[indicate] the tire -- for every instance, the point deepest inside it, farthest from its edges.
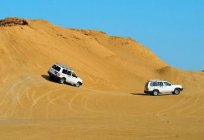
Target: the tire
(177, 91)
(61, 80)
(155, 93)
(78, 84)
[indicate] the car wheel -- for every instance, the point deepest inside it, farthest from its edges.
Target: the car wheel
(78, 84)
(62, 80)
(155, 93)
(177, 91)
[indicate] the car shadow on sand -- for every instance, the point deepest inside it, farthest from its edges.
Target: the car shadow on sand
(144, 94)
(140, 94)
(46, 77)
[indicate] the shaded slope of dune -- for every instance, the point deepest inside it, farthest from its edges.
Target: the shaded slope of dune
(110, 104)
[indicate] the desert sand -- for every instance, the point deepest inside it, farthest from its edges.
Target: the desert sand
(110, 105)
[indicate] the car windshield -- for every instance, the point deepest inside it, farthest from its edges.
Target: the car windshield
(57, 68)
(74, 75)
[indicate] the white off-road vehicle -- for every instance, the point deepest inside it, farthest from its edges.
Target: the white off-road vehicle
(63, 73)
(155, 87)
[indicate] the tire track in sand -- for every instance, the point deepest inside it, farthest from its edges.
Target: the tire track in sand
(15, 91)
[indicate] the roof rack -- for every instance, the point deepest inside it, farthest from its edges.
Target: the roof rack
(153, 80)
(64, 66)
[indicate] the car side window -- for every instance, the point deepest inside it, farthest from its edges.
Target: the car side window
(64, 71)
(69, 73)
(167, 84)
(155, 83)
(160, 84)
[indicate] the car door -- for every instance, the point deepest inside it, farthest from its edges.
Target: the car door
(168, 87)
(69, 78)
(161, 87)
(74, 78)
(64, 73)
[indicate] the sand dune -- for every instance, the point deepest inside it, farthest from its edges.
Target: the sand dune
(110, 104)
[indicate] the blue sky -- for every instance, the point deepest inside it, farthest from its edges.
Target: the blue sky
(172, 29)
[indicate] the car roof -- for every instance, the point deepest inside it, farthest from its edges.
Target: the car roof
(63, 66)
(157, 80)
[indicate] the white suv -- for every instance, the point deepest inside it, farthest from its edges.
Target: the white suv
(64, 74)
(154, 87)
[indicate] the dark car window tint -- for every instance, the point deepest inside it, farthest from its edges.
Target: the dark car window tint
(57, 68)
(155, 84)
(160, 83)
(64, 71)
(69, 73)
(167, 84)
